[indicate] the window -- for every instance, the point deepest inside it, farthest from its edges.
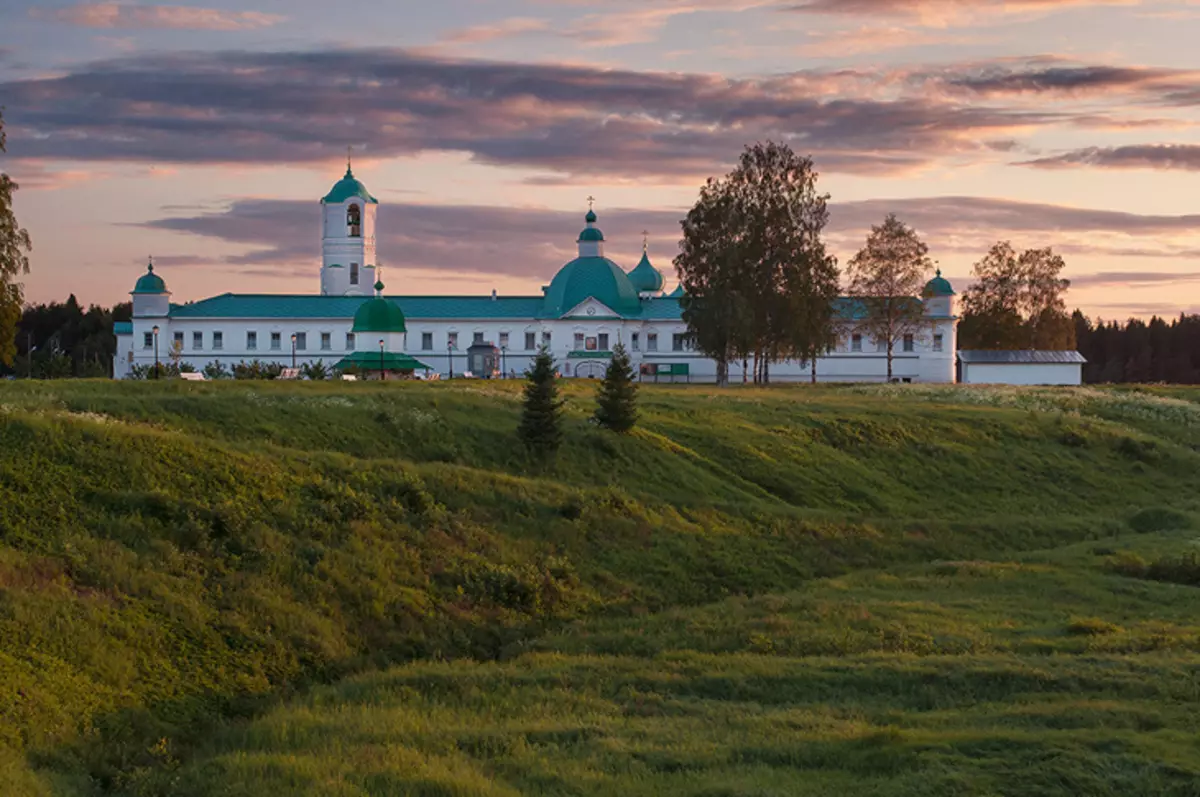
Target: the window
(652, 341)
(909, 344)
(326, 341)
(452, 340)
(148, 340)
(679, 342)
(478, 338)
(197, 340)
(177, 341)
(251, 341)
(426, 341)
(276, 341)
(579, 341)
(218, 341)
(603, 341)
(354, 273)
(504, 340)
(937, 342)
(349, 341)
(856, 343)
(354, 221)
(301, 341)
(546, 339)
(635, 341)
(530, 341)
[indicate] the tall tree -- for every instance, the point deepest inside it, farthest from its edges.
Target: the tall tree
(616, 400)
(541, 414)
(755, 273)
(14, 244)
(1017, 302)
(886, 278)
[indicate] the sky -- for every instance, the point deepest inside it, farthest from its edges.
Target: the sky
(205, 134)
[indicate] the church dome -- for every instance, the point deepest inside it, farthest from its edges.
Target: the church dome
(591, 232)
(938, 286)
(150, 282)
(347, 188)
(677, 293)
(591, 277)
(645, 277)
(379, 315)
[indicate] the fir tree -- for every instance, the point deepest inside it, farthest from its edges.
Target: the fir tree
(541, 415)
(617, 397)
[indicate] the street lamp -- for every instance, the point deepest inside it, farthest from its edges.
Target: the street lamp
(504, 362)
(450, 354)
(293, 349)
(381, 378)
(155, 330)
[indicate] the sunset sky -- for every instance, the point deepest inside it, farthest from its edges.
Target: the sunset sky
(206, 134)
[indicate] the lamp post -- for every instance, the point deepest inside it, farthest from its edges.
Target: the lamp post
(155, 331)
(381, 377)
(450, 354)
(293, 349)
(504, 362)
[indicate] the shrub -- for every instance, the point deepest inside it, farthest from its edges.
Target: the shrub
(1091, 626)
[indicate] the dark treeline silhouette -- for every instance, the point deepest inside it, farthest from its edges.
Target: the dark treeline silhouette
(1140, 351)
(62, 339)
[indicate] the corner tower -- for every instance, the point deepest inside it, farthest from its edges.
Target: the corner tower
(348, 238)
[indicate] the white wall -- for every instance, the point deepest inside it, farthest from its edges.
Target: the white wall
(1022, 374)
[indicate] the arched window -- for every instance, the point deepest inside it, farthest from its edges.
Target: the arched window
(354, 221)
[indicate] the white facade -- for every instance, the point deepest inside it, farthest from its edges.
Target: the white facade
(1022, 374)
(579, 331)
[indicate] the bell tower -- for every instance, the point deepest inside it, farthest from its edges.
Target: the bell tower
(348, 238)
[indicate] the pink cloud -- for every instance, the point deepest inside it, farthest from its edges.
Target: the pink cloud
(121, 15)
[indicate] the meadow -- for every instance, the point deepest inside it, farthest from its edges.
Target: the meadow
(355, 589)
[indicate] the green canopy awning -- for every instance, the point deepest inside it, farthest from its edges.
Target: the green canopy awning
(389, 361)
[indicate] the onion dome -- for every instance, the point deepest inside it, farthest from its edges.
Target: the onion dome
(347, 188)
(645, 277)
(677, 293)
(591, 232)
(379, 314)
(938, 286)
(150, 282)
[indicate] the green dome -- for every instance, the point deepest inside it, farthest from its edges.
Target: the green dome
(645, 277)
(594, 277)
(591, 234)
(677, 293)
(379, 315)
(938, 286)
(347, 188)
(150, 282)
(590, 218)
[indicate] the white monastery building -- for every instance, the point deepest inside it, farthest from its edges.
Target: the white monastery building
(588, 307)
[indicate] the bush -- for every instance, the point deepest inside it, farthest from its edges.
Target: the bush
(257, 369)
(1159, 518)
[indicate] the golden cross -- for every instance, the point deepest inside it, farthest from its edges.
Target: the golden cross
(591, 201)
(645, 240)
(349, 149)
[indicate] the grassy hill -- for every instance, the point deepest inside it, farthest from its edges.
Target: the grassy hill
(354, 589)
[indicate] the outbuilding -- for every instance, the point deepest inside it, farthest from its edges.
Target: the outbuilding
(1028, 367)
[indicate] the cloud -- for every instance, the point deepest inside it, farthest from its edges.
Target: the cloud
(304, 107)
(1133, 279)
(275, 236)
(944, 13)
(126, 16)
(505, 29)
(1183, 157)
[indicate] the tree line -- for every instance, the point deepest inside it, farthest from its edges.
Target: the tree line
(1139, 351)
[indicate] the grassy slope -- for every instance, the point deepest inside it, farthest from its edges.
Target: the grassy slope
(176, 556)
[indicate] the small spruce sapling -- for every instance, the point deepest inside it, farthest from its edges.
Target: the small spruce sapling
(617, 397)
(541, 415)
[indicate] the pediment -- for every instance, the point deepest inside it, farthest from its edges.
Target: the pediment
(591, 308)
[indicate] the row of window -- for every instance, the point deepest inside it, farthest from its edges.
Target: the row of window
(217, 341)
(452, 340)
(600, 342)
(908, 343)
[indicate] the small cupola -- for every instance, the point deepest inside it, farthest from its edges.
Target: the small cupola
(645, 277)
(151, 299)
(379, 315)
(591, 240)
(938, 286)
(150, 282)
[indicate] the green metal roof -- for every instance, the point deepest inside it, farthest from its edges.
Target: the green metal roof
(379, 315)
(591, 277)
(150, 282)
(347, 188)
(122, 327)
(645, 277)
(591, 234)
(938, 286)
(370, 360)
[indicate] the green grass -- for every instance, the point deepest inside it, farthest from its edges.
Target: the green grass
(246, 588)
